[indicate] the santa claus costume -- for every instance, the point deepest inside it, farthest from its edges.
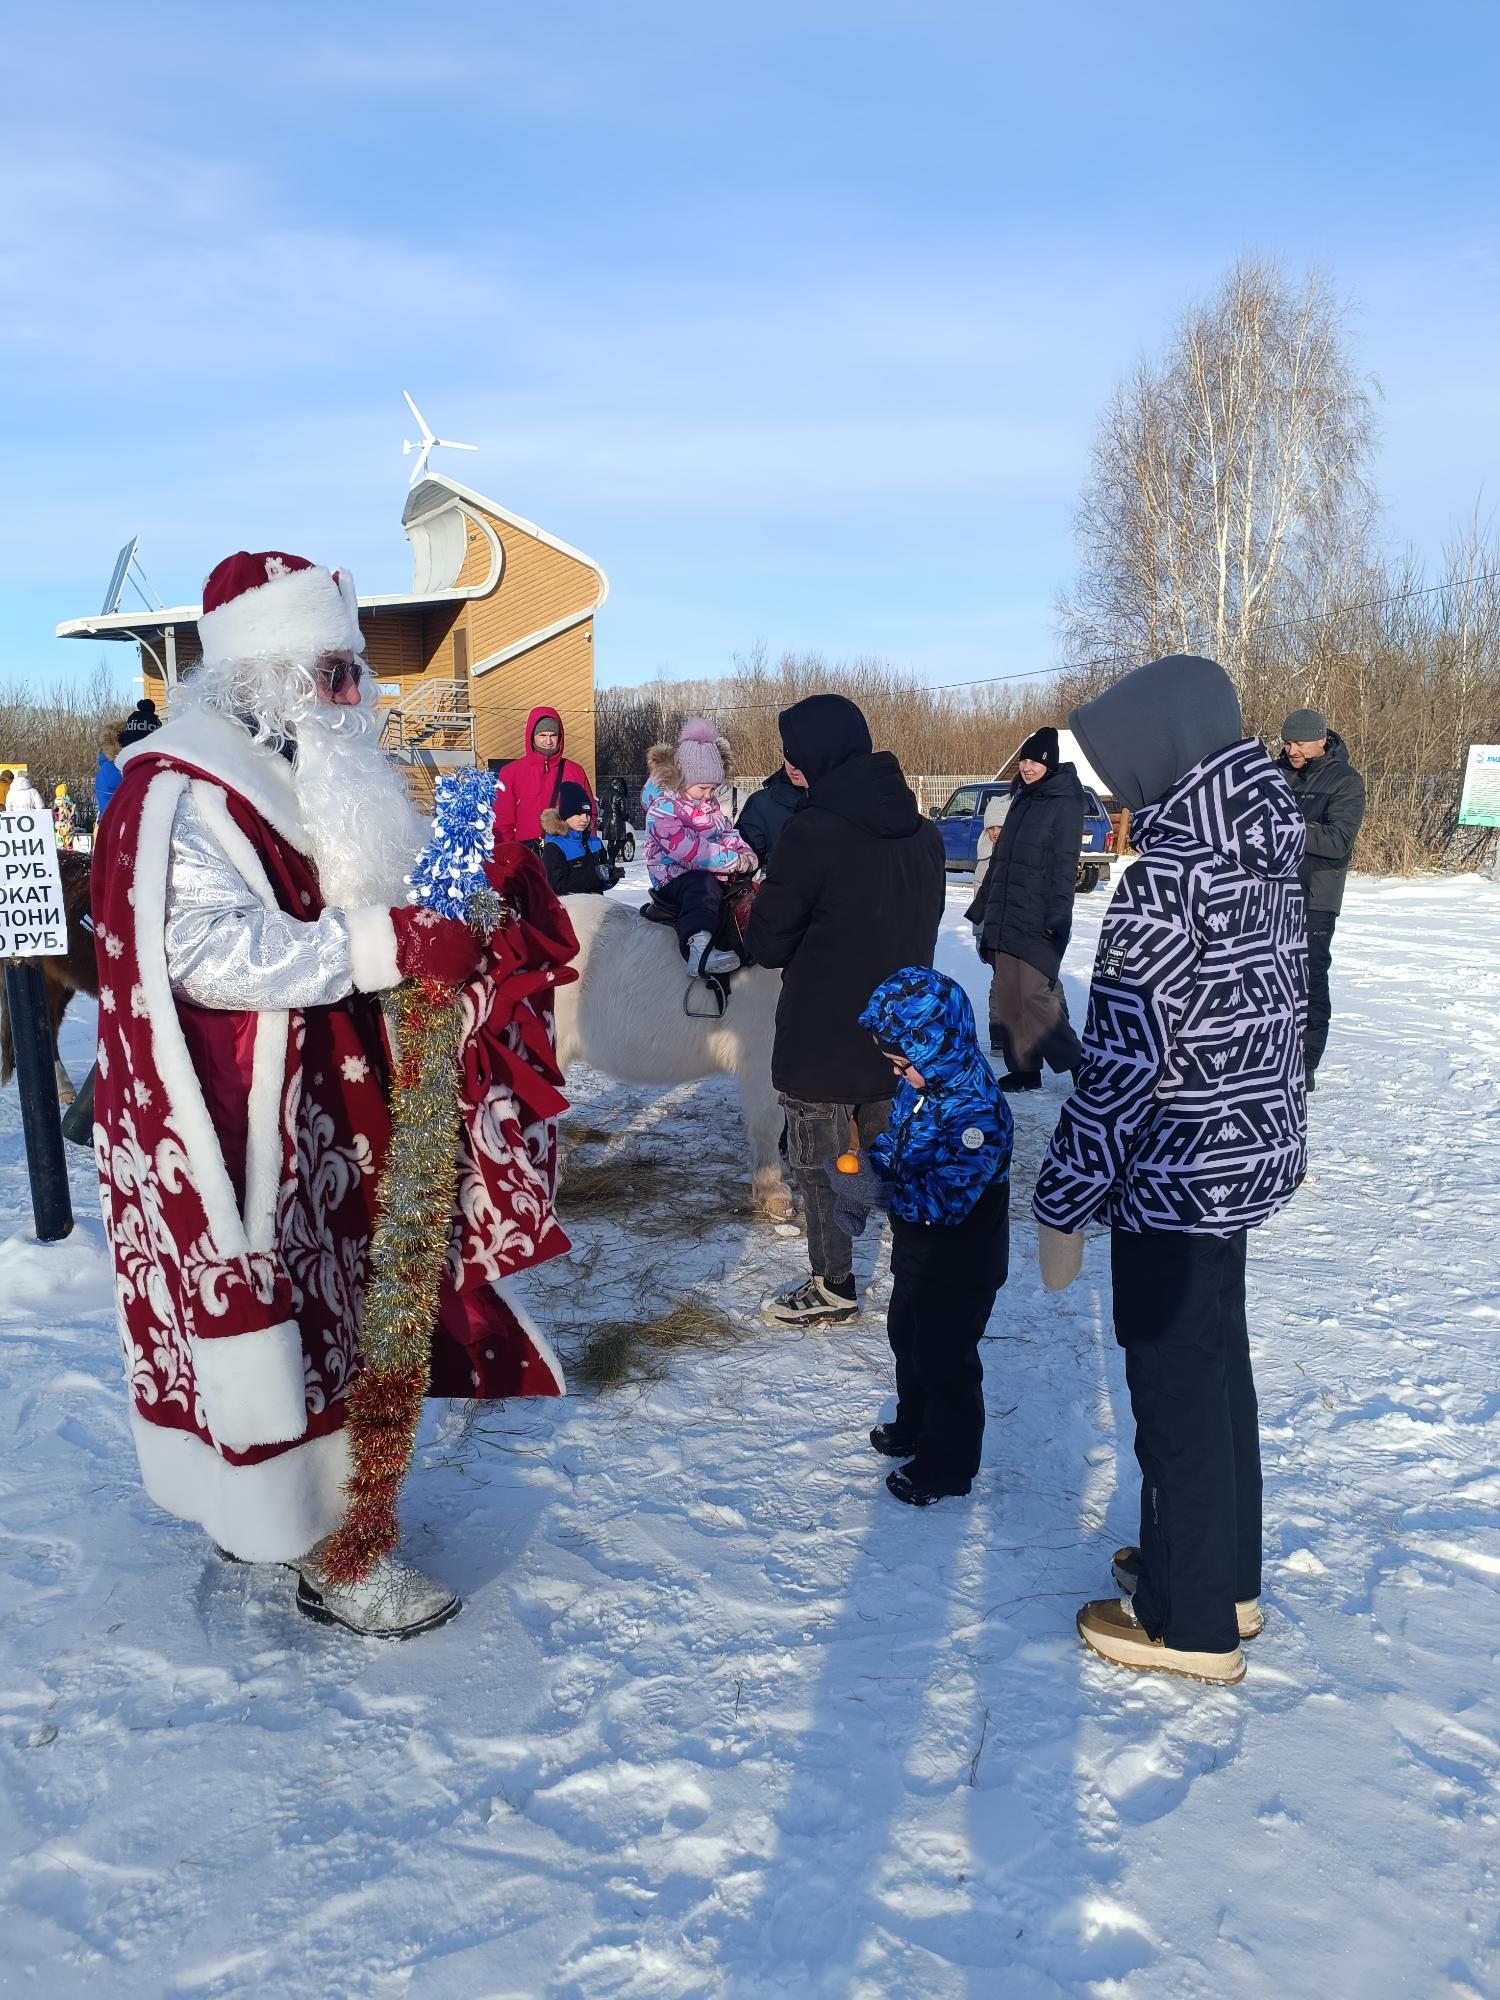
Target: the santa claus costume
(249, 906)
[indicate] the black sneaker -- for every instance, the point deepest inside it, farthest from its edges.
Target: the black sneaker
(815, 1302)
(916, 1489)
(1020, 1079)
(891, 1444)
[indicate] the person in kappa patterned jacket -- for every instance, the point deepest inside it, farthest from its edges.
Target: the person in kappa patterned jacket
(943, 1167)
(1186, 1130)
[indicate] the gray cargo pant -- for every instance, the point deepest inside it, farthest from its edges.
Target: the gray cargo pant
(816, 1133)
(1029, 1018)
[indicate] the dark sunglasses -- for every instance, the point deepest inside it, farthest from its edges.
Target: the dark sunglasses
(345, 674)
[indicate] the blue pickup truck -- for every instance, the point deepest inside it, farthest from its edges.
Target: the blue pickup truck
(960, 821)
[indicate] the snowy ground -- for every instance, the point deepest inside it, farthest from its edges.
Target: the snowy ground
(720, 1718)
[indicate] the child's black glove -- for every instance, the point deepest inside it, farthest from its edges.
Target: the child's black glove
(856, 1196)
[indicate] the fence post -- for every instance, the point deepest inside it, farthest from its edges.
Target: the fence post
(36, 1078)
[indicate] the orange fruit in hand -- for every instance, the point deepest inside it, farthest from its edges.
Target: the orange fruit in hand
(847, 1163)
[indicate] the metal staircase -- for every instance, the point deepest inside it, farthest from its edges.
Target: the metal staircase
(430, 731)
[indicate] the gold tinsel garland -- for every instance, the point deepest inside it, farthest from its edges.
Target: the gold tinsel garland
(415, 1206)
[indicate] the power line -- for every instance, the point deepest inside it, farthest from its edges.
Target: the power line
(1094, 660)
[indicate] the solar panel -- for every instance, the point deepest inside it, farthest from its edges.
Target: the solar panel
(117, 582)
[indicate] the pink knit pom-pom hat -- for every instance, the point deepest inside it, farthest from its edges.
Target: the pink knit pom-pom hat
(699, 752)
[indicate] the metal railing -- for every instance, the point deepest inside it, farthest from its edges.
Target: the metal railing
(430, 730)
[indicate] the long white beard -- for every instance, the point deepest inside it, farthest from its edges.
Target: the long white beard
(361, 829)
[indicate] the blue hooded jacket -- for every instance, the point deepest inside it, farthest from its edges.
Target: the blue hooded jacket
(106, 784)
(946, 1143)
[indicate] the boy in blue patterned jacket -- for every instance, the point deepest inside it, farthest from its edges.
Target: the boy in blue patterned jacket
(943, 1167)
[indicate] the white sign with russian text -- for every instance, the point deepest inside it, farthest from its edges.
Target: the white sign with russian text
(33, 922)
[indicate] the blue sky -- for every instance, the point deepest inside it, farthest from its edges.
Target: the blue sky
(797, 318)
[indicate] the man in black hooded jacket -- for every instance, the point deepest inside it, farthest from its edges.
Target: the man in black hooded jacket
(1331, 793)
(853, 892)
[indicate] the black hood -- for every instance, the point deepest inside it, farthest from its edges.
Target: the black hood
(1151, 728)
(870, 793)
(821, 733)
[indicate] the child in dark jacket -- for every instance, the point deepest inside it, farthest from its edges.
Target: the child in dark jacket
(574, 858)
(943, 1167)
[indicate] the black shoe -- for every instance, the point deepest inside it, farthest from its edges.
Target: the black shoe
(891, 1444)
(1020, 1079)
(917, 1490)
(1312, 1082)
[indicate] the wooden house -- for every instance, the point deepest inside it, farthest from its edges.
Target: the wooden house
(500, 617)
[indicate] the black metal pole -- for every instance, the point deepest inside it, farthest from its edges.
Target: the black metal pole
(36, 1077)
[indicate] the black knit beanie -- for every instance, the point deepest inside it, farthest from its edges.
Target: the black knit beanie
(1040, 747)
(142, 720)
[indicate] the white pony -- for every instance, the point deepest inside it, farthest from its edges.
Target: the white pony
(625, 1016)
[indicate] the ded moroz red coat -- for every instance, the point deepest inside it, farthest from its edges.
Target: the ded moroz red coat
(239, 1156)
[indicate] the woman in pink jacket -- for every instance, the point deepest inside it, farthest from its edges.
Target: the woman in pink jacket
(692, 849)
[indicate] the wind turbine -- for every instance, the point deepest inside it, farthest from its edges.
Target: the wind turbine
(424, 448)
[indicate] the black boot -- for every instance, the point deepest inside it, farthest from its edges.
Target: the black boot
(919, 1489)
(1020, 1079)
(891, 1444)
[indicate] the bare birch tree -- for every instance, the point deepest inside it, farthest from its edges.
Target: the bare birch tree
(1228, 482)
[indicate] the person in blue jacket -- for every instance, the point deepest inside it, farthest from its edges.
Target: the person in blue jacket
(942, 1166)
(574, 858)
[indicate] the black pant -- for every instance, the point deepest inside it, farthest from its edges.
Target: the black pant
(1320, 925)
(696, 899)
(945, 1277)
(1180, 1317)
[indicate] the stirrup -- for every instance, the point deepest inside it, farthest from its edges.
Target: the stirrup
(718, 994)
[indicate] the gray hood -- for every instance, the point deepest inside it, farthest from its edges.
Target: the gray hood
(1155, 725)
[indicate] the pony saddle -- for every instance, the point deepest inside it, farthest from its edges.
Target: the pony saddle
(729, 935)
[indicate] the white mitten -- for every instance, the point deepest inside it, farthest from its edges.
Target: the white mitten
(1059, 1252)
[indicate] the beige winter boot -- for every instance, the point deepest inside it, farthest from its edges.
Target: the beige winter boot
(1108, 1627)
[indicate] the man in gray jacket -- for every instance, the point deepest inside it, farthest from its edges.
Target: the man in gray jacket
(1331, 794)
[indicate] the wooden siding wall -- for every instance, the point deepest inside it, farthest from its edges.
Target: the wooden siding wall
(538, 585)
(559, 672)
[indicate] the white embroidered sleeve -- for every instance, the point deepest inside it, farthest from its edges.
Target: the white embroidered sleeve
(226, 950)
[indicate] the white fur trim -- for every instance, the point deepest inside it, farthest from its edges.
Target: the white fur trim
(189, 1112)
(227, 751)
(297, 616)
(272, 1512)
(252, 1386)
(510, 1292)
(268, 1065)
(372, 949)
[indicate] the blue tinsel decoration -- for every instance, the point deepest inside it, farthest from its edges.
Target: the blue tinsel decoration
(451, 866)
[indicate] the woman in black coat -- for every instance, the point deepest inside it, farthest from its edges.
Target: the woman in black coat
(1024, 914)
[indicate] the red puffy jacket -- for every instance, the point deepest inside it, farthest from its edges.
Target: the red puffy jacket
(531, 782)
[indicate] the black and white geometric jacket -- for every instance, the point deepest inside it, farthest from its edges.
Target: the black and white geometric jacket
(1191, 1110)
